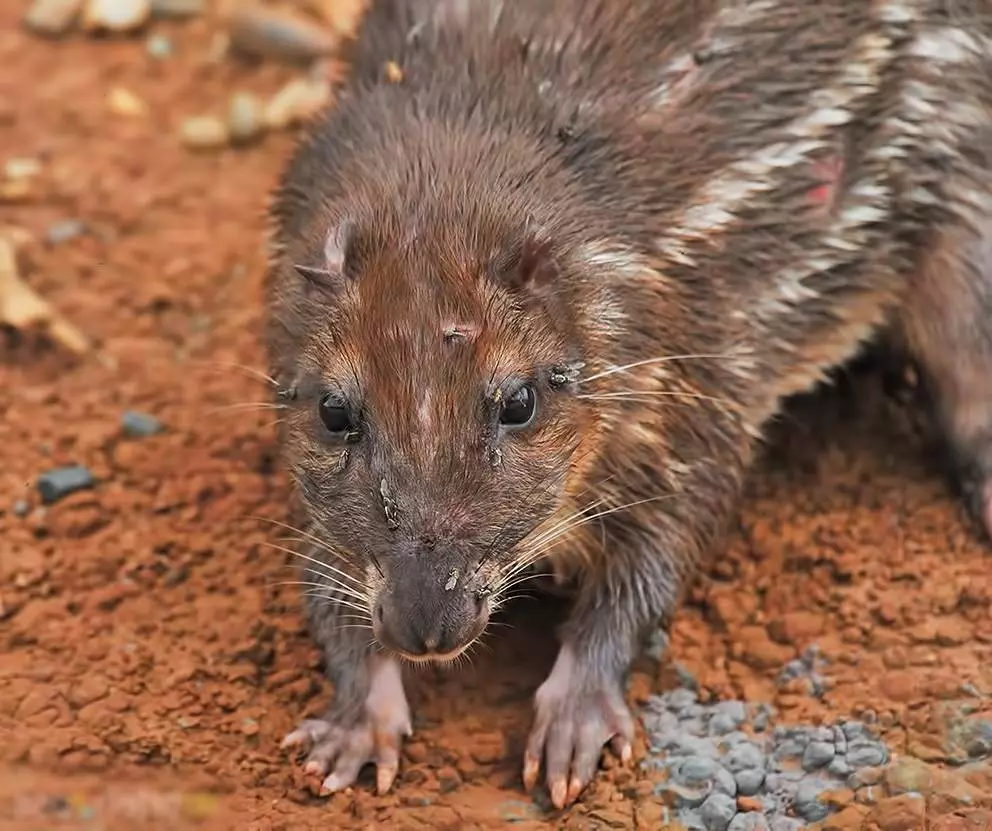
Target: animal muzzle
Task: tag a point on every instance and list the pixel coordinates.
(427, 611)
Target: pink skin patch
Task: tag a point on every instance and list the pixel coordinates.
(830, 173)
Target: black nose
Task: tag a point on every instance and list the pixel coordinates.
(424, 626)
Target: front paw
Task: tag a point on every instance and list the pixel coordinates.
(341, 743)
(577, 713)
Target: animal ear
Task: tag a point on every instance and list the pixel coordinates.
(338, 254)
(528, 262)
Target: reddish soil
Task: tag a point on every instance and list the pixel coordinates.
(151, 656)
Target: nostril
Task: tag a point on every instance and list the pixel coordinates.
(378, 613)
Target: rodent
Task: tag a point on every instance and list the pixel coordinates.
(545, 271)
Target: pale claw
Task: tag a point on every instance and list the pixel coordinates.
(575, 717)
(340, 748)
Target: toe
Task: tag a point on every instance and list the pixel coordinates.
(561, 743)
(323, 754)
(387, 761)
(310, 732)
(348, 766)
(588, 750)
(535, 750)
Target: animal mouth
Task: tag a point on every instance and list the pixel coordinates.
(435, 657)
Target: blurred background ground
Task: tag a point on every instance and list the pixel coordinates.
(150, 659)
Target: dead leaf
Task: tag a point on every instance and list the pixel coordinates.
(22, 308)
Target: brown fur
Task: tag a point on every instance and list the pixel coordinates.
(581, 182)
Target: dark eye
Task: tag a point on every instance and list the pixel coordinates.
(518, 410)
(335, 415)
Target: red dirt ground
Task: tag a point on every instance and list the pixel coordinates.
(150, 655)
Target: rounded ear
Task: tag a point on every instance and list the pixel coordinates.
(528, 262)
(337, 265)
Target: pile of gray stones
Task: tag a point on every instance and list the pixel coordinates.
(710, 761)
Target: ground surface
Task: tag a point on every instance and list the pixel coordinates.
(150, 658)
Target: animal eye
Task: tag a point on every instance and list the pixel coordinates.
(334, 414)
(518, 410)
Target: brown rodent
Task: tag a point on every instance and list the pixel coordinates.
(544, 273)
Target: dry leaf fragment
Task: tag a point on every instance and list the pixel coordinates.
(21, 307)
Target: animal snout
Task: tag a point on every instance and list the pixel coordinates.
(429, 625)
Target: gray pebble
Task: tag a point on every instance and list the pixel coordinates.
(691, 820)
(140, 425)
(852, 730)
(749, 781)
(839, 766)
(695, 771)
(734, 739)
(159, 47)
(721, 724)
(663, 723)
(790, 748)
(685, 797)
(55, 484)
(21, 508)
(245, 117)
(762, 717)
(744, 756)
(865, 755)
(749, 822)
(717, 812)
(678, 700)
(63, 231)
(817, 754)
(786, 824)
(686, 678)
(980, 739)
(822, 734)
(724, 782)
(808, 804)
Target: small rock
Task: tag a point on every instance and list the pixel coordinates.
(678, 700)
(908, 775)
(747, 803)
(21, 168)
(865, 755)
(808, 804)
(760, 651)
(686, 678)
(52, 17)
(749, 782)
(852, 730)
(839, 767)
(717, 811)
(61, 232)
(695, 771)
(900, 813)
(265, 32)
(817, 754)
(852, 818)
(21, 508)
(177, 9)
(748, 822)
(866, 776)
(297, 102)
(979, 740)
(786, 824)
(124, 102)
(116, 15)
(139, 425)
(245, 117)
(448, 779)
(728, 715)
(158, 47)
(56, 484)
(203, 132)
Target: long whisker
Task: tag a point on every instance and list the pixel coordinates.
(355, 596)
(659, 360)
(248, 405)
(334, 599)
(317, 541)
(656, 394)
(254, 373)
(329, 575)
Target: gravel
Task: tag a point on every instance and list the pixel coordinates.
(58, 483)
(714, 754)
(64, 230)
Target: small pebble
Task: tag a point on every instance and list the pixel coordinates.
(124, 102)
(139, 425)
(21, 167)
(686, 678)
(245, 117)
(980, 739)
(158, 47)
(744, 756)
(21, 508)
(868, 755)
(749, 782)
(64, 230)
(808, 804)
(717, 812)
(52, 17)
(55, 484)
(298, 101)
(696, 771)
(178, 9)
(203, 132)
(680, 699)
(116, 15)
(270, 33)
(817, 754)
(748, 822)
(786, 824)
(838, 766)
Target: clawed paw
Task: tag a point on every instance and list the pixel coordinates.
(338, 747)
(575, 717)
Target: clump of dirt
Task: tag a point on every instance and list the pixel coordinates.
(153, 658)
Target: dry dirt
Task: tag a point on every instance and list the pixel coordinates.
(151, 657)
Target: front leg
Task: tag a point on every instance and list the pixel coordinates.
(626, 592)
(369, 715)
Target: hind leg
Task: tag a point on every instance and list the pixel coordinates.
(947, 323)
